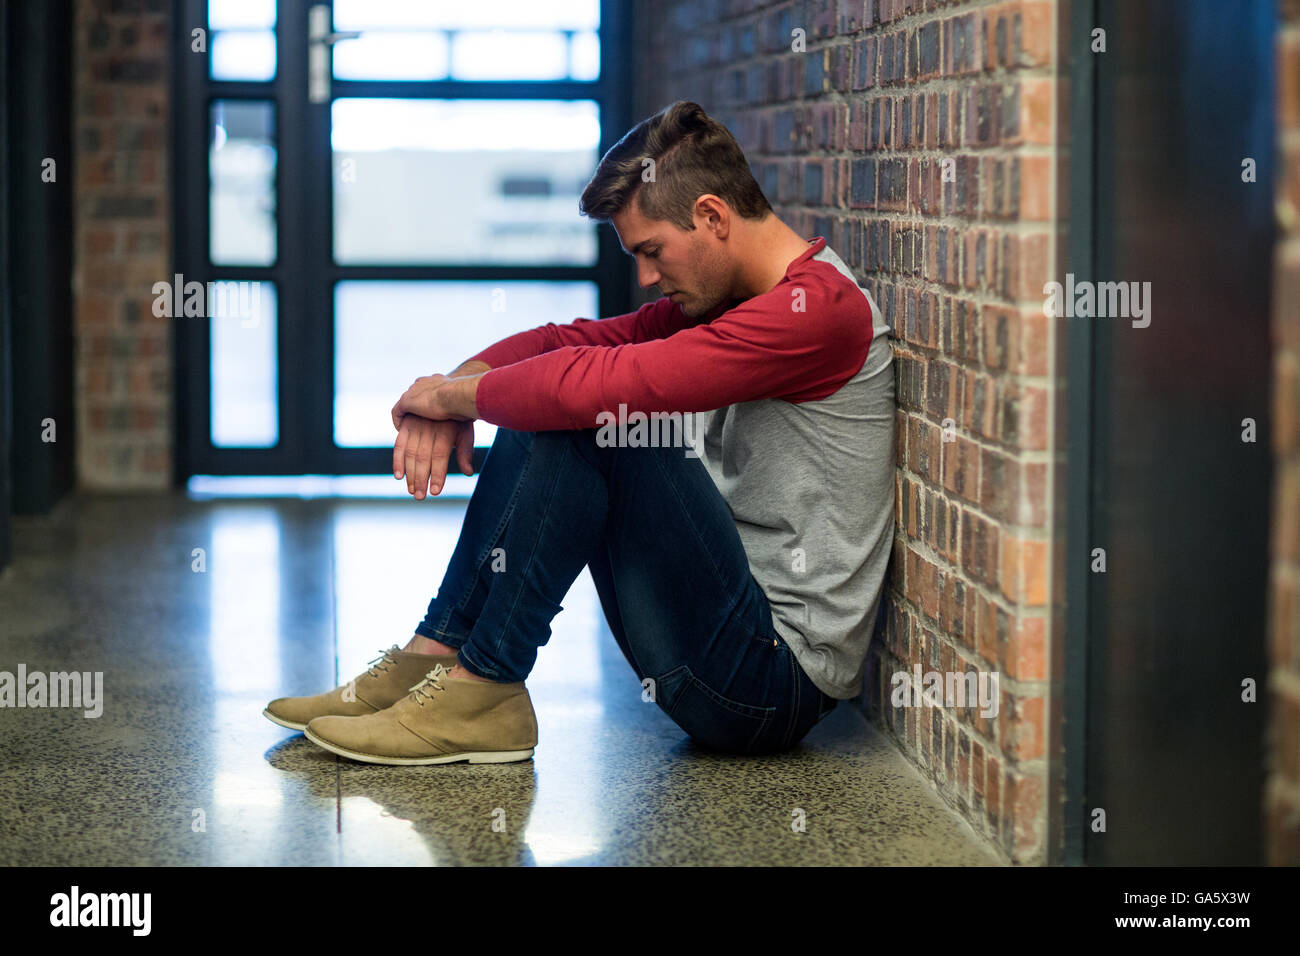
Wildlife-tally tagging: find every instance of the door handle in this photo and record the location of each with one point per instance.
(319, 40)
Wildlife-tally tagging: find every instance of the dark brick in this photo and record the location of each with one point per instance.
(781, 26)
(1011, 113)
(862, 53)
(783, 132)
(812, 183)
(1014, 204)
(937, 391)
(1010, 415)
(863, 191)
(134, 71)
(893, 181)
(124, 207)
(929, 48)
(746, 40)
(814, 71)
(841, 68)
(963, 42)
(98, 35)
(987, 106)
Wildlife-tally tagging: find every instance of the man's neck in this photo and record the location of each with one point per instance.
(774, 246)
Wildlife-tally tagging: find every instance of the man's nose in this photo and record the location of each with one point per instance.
(647, 276)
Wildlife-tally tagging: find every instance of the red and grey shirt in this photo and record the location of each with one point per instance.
(797, 383)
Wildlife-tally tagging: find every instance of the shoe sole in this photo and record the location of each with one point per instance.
(283, 723)
(485, 756)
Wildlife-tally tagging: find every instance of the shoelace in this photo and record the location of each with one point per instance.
(432, 681)
(386, 658)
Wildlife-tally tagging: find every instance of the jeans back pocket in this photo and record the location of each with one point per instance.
(713, 720)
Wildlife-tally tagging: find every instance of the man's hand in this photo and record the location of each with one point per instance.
(423, 448)
(439, 398)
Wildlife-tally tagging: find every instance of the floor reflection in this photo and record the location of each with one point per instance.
(296, 596)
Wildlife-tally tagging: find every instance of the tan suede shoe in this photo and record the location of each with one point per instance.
(443, 720)
(387, 680)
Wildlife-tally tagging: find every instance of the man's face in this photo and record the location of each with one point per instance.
(689, 266)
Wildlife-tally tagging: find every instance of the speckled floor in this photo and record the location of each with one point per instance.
(296, 596)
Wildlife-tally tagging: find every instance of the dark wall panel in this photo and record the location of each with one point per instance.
(1180, 503)
(6, 412)
(39, 62)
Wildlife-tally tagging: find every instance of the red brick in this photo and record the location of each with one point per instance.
(1027, 654)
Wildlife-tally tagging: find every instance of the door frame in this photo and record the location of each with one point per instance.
(304, 216)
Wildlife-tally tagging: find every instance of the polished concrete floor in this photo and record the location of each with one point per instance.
(296, 596)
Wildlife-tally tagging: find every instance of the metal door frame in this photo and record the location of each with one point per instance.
(304, 230)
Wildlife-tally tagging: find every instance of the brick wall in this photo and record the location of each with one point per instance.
(1283, 790)
(848, 139)
(122, 242)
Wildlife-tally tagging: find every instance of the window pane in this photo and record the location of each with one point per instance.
(243, 55)
(501, 55)
(585, 57)
(241, 14)
(242, 41)
(388, 334)
(245, 404)
(421, 14)
(241, 165)
(463, 181)
(392, 56)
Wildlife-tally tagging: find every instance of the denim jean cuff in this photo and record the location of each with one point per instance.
(433, 634)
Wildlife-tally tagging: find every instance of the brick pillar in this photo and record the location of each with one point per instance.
(1282, 800)
(919, 138)
(122, 243)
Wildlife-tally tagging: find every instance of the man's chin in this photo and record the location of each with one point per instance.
(693, 309)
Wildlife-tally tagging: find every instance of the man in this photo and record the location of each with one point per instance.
(740, 575)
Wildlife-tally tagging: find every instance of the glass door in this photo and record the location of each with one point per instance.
(369, 191)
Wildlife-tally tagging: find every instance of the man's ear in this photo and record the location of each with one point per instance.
(714, 213)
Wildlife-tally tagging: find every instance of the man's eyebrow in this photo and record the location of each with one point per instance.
(637, 247)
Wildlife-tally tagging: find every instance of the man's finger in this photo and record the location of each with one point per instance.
(412, 447)
(465, 448)
(443, 437)
(422, 462)
(399, 452)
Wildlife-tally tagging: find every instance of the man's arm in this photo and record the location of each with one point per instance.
(654, 320)
(762, 348)
(470, 367)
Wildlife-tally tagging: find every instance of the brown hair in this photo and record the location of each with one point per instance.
(692, 155)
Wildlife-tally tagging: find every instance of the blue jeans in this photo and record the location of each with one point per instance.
(667, 562)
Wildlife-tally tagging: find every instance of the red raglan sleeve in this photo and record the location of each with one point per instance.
(762, 348)
(653, 320)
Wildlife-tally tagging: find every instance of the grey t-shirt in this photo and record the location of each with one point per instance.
(811, 487)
